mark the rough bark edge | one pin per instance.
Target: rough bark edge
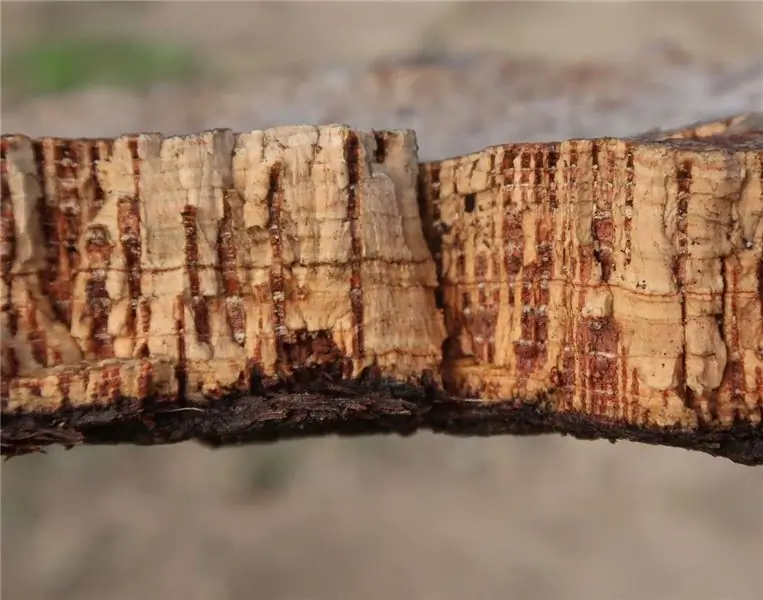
(355, 408)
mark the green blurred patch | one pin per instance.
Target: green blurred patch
(62, 65)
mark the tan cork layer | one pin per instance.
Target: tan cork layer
(624, 275)
(212, 254)
(615, 280)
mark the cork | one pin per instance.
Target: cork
(623, 274)
(324, 280)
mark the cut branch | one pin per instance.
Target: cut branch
(309, 281)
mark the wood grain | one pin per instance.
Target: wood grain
(313, 280)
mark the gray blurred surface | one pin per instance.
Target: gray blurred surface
(428, 517)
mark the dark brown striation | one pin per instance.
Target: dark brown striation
(353, 161)
(306, 281)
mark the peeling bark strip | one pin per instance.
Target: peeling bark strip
(306, 281)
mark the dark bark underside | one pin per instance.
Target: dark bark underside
(350, 410)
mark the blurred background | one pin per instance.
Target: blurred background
(428, 517)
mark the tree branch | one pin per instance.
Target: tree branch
(319, 280)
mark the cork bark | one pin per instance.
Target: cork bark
(311, 280)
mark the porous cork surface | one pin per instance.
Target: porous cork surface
(600, 279)
(615, 272)
(177, 267)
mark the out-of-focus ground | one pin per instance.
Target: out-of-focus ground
(428, 517)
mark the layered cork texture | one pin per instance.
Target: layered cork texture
(617, 279)
(179, 267)
(622, 278)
